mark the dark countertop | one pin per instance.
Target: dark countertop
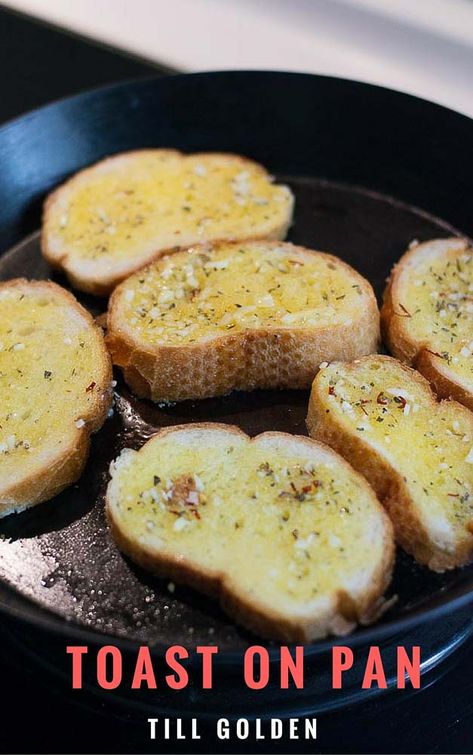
(40, 64)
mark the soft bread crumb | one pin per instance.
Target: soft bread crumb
(238, 316)
(54, 379)
(281, 529)
(419, 461)
(116, 216)
(427, 315)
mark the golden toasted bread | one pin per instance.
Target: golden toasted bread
(280, 528)
(427, 316)
(416, 452)
(55, 387)
(260, 314)
(111, 219)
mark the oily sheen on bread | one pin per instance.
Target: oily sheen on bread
(282, 530)
(55, 387)
(257, 314)
(116, 216)
(427, 315)
(416, 452)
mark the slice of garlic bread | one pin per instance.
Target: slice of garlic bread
(55, 387)
(260, 314)
(427, 316)
(281, 529)
(111, 219)
(416, 452)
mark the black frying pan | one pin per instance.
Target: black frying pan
(371, 169)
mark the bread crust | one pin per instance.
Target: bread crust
(254, 358)
(404, 347)
(339, 618)
(388, 484)
(66, 467)
(109, 279)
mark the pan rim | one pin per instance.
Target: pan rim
(153, 78)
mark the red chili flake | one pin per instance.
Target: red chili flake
(381, 399)
(435, 353)
(406, 311)
(401, 401)
(307, 488)
(90, 387)
(331, 391)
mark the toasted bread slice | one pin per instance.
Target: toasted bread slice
(260, 314)
(111, 219)
(427, 316)
(55, 387)
(281, 529)
(416, 452)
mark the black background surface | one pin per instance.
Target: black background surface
(40, 64)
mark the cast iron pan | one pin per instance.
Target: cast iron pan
(371, 169)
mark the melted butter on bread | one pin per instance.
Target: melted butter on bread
(242, 315)
(114, 217)
(55, 377)
(427, 315)
(193, 295)
(285, 523)
(387, 409)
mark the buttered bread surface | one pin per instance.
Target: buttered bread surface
(282, 524)
(55, 386)
(197, 295)
(112, 218)
(416, 452)
(259, 314)
(428, 314)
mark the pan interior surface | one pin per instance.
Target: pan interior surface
(58, 560)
